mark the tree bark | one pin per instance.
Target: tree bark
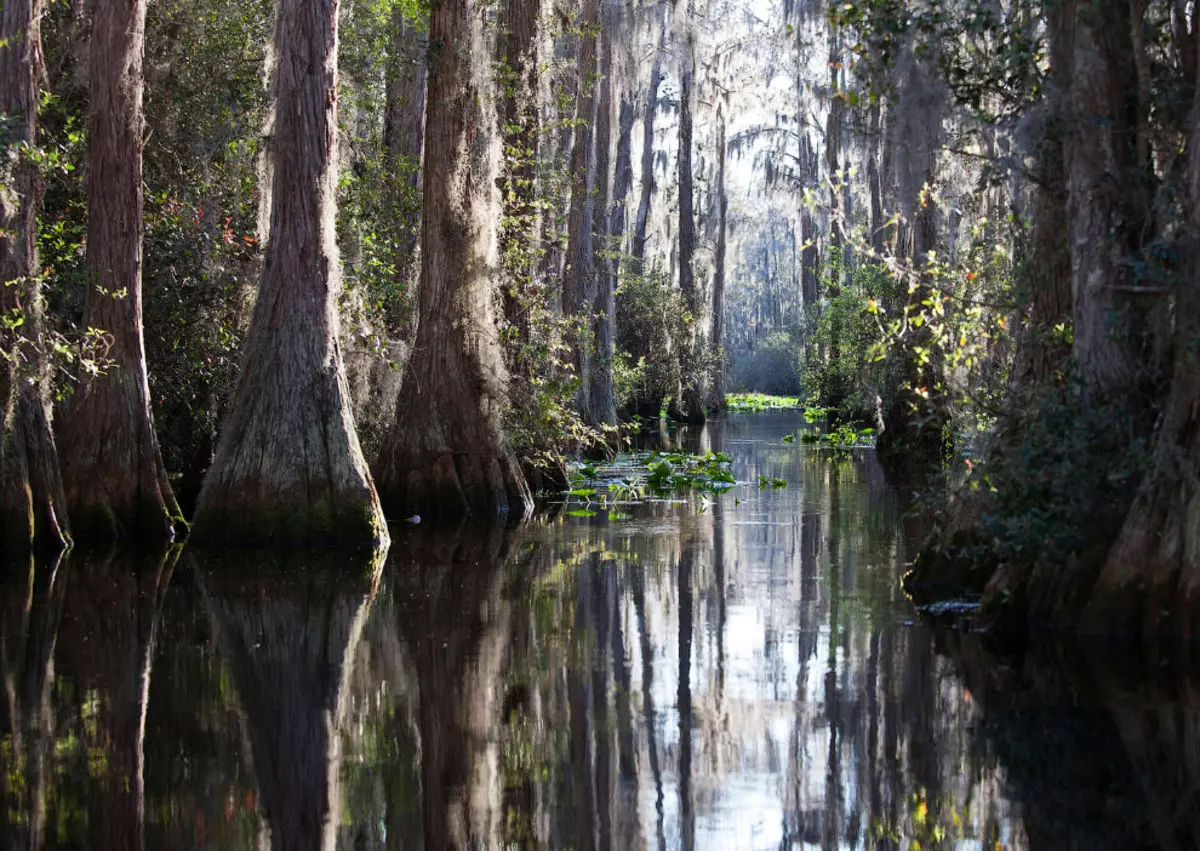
(32, 503)
(717, 398)
(912, 442)
(692, 385)
(1106, 214)
(116, 483)
(288, 469)
(650, 112)
(578, 282)
(833, 166)
(1151, 582)
(810, 259)
(601, 406)
(447, 454)
(873, 183)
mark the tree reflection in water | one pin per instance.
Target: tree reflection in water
(288, 627)
(740, 673)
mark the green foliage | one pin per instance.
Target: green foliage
(753, 403)
(1068, 481)
(652, 325)
(840, 375)
(841, 439)
(643, 476)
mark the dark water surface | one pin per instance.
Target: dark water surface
(701, 675)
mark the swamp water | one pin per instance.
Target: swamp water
(731, 672)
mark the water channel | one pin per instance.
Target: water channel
(738, 672)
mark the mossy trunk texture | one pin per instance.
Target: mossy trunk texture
(288, 628)
(32, 504)
(116, 484)
(288, 468)
(447, 454)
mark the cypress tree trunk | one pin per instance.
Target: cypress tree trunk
(578, 283)
(717, 399)
(288, 469)
(601, 407)
(1105, 212)
(833, 167)
(116, 484)
(447, 454)
(873, 184)
(32, 504)
(622, 182)
(692, 391)
(648, 401)
(915, 416)
(1151, 582)
(650, 112)
(810, 258)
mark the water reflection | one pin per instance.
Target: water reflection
(288, 627)
(740, 673)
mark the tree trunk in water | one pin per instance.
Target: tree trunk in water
(717, 398)
(32, 503)
(288, 468)
(116, 484)
(289, 633)
(692, 389)
(601, 406)
(447, 454)
(578, 283)
(650, 112)
(1151, 582)
(403, 139)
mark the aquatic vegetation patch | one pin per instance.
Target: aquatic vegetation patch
(646, 476)
(753, 403)
(841, 439)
